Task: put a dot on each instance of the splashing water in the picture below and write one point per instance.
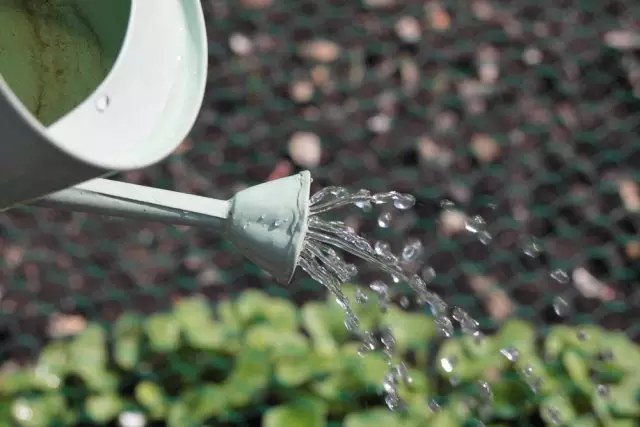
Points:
(321, 261)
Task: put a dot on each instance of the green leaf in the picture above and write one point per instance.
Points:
(374, 417)
(198, 325)
(452, 362)
(163, 331)
(518, 334)
(510, 396)
(623, 398)
(557, 339)
(181, 416)
(624, 353)
(584, 339)
(481, 348)
(99, 380)
(88, 359)
(251, 306)
(294, 371)
(192, 313)
(277, 342)
(303, 413)
(127, 341)
(369, 368)
(330, 388)
(411, 330)
(51, 367)
(104, 408)
(578, 371)
(89, 349)
(229, 315)
(585, 421)
(152, 398)
(207, 401)
(445, 417)
(534, 372)
(40, 411)
(557, 410)
(281, 314)
(250, 376)
(16, 381)
(319, 321)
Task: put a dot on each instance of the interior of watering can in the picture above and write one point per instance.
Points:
(55, 53)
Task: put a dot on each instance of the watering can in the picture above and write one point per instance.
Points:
(91, 88)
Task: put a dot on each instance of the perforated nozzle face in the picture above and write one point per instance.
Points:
(268, 223)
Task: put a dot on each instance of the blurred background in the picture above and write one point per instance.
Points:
(526, 113)
(523, 112)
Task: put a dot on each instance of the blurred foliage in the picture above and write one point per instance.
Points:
(258, 360)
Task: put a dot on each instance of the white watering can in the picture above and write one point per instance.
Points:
(89, 88)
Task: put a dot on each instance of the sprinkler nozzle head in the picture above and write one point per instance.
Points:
(268, 223)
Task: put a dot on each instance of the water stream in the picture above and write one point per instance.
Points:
(321, 260)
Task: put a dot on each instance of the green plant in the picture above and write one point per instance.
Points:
(259, 360)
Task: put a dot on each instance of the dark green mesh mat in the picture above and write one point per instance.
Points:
(524, 112)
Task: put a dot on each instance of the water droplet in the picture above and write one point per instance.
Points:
(428, 274)
(412, 251)
(245, 225)
(351, 321)
(447, 204)
(527, 370)
(485, 237)
(384, 220)
(560, 276)
(475, 224)
(485, 390)
(582, 335)
(384, 295)
(404, 201)
(387, 338)
(393, 402)
(277, 223)
(262, 218)
(448, 364)
(437, 305)
(535, 384)
(361, 297)
(602, 390)
(369, 343)
(554, 415)
(382, 248)
(478, 337)
(102, 103)
(404, 302)
(380, 288)
(561, 306)
(390, 386)
(510, 353)
(532, 248)
(434, 406)
(467, 323)
(365, 205)
(444, 325)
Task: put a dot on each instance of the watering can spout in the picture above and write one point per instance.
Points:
(267, 222)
